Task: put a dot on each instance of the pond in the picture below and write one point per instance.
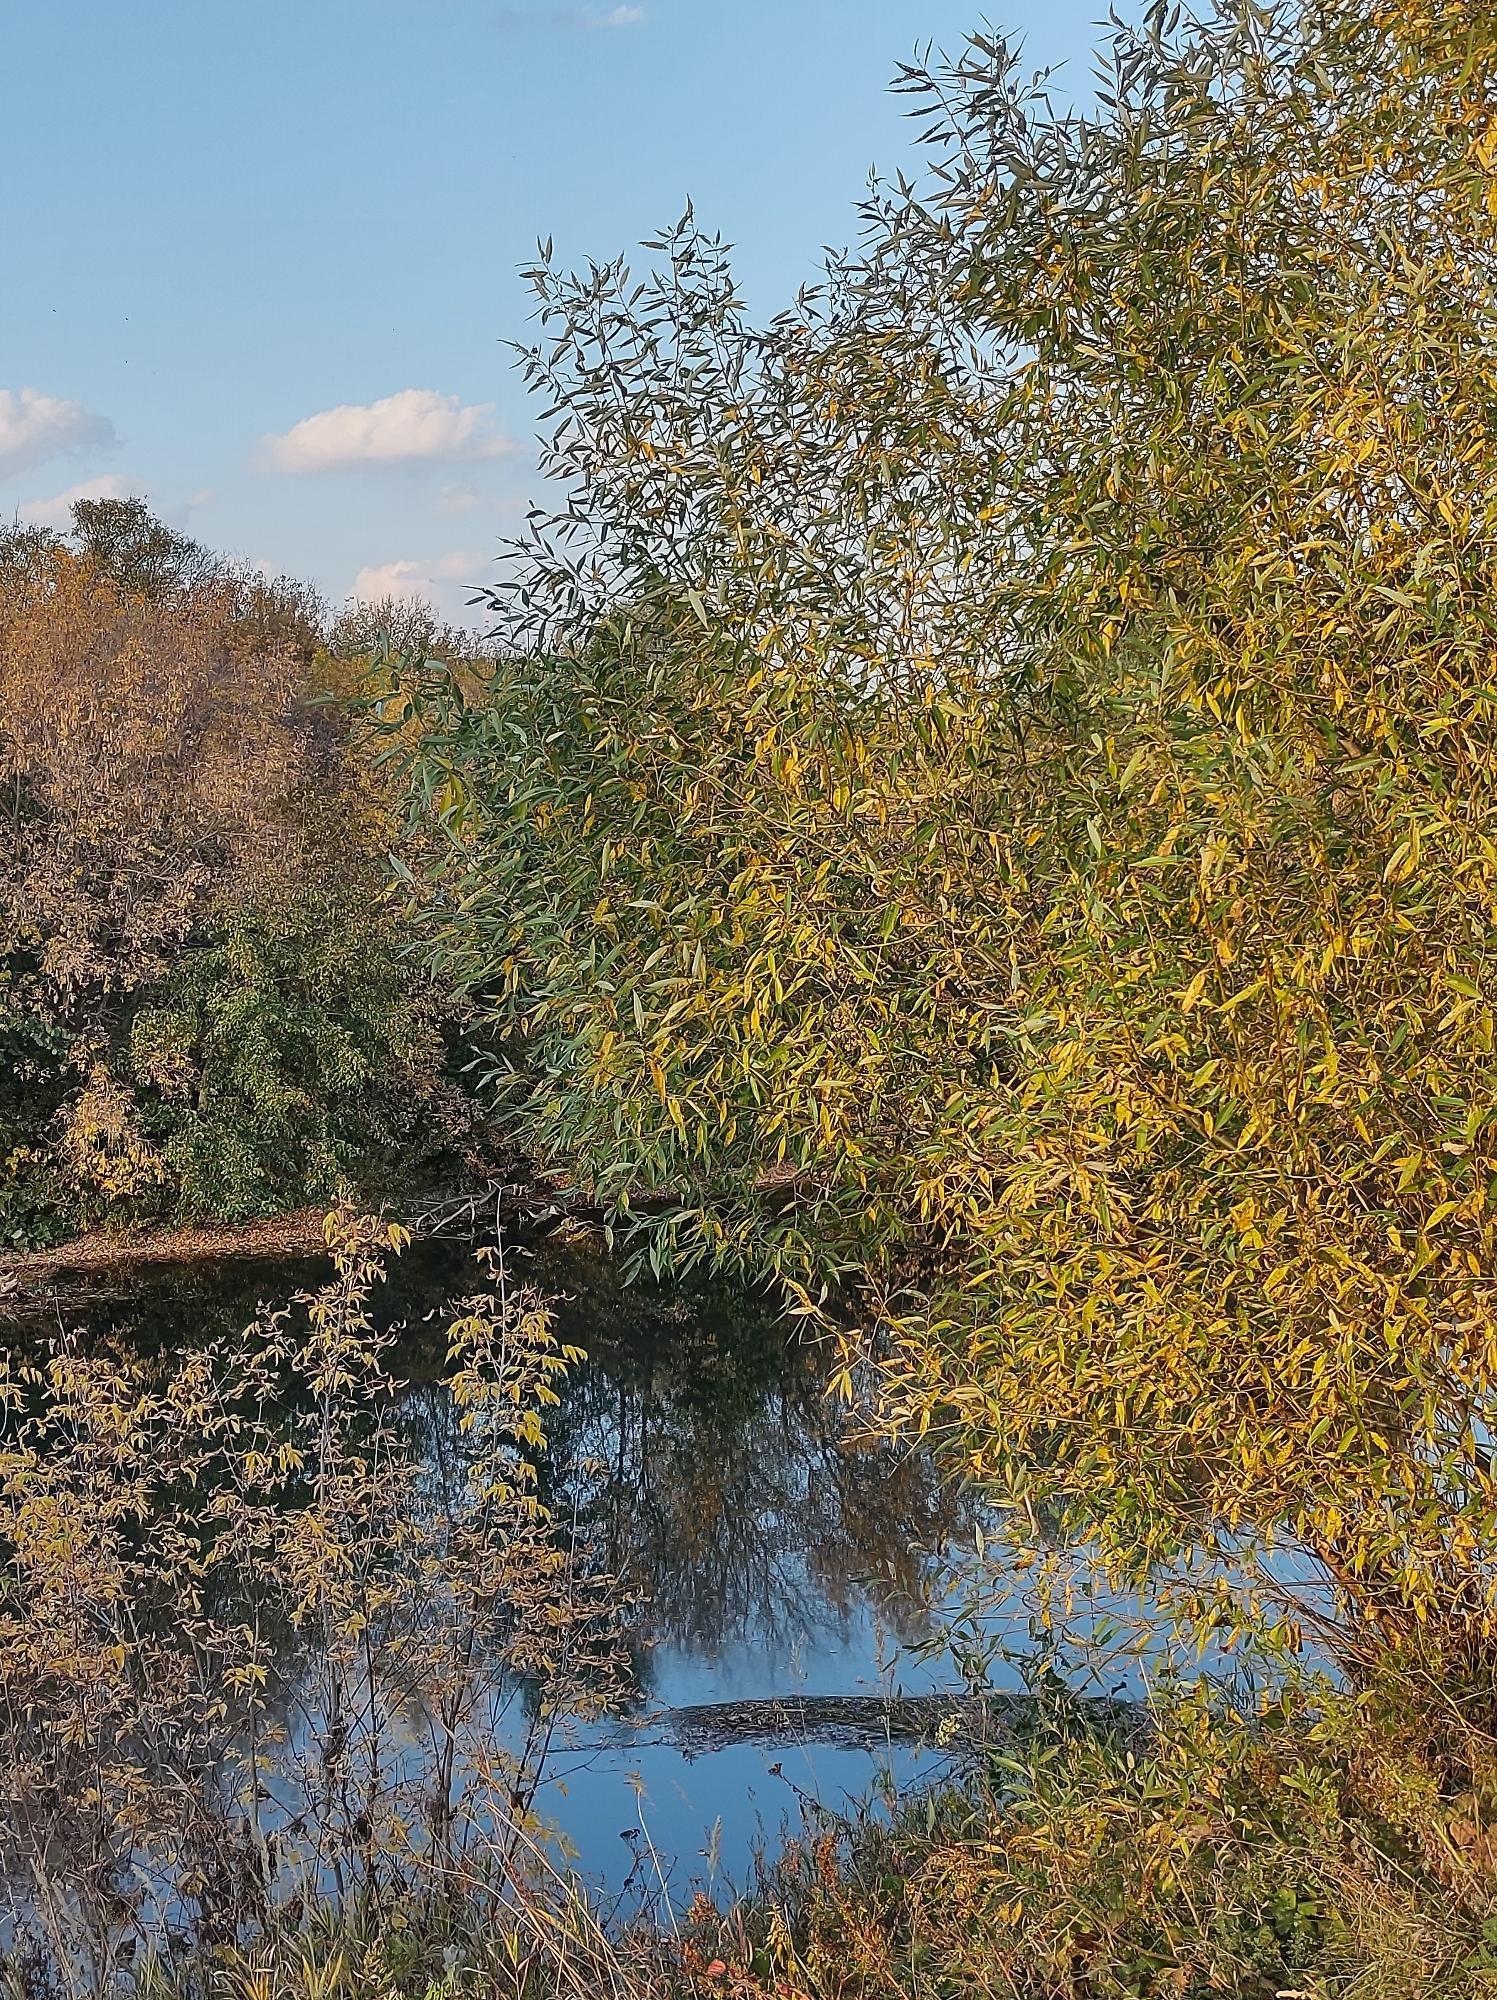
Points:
(796, 1612)
(768, 1551)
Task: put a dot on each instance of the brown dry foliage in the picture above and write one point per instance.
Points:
(148, 760)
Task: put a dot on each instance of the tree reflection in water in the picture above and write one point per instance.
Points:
(696, 1448)
(698, 1452)
(694, 1456)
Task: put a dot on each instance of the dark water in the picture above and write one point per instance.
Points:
(771, 1552)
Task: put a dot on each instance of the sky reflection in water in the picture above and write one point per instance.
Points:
(773, 1554)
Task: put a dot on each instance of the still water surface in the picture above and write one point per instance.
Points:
(773, 1553)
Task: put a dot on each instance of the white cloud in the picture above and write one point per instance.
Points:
(412, 427)
(445, 581)
(34, 427)
(180, 516)
(574, 17)
(58, 511)
(458, 499)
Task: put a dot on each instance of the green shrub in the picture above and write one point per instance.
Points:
(284, 1057)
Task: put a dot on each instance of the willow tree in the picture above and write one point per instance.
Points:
(1006, 754)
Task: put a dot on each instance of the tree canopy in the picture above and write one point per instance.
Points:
(203, 1007)
(1006, 752)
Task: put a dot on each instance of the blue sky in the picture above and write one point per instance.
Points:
(303, 220)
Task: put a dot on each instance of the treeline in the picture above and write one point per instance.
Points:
(204, 1008)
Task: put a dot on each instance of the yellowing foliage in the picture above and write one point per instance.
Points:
(254, 1647)
(1013, 763)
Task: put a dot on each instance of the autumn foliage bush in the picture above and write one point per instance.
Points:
(255, 1651)
(201, 992)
